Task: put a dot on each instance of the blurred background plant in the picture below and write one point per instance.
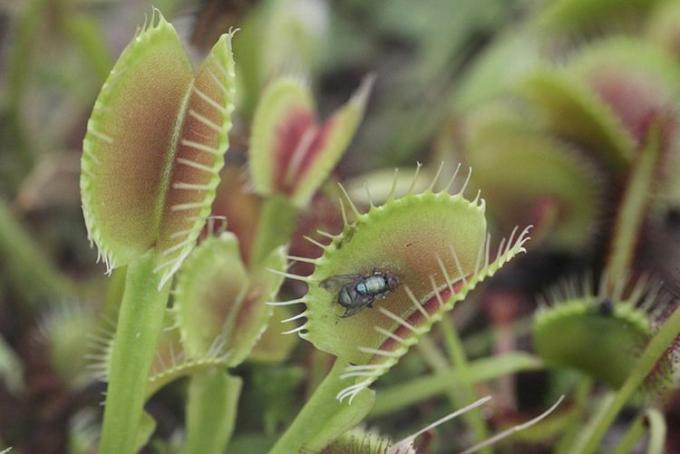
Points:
(567, 113)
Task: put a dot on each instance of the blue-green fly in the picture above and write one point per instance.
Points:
(357, 291)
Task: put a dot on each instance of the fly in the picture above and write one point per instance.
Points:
(358, 291)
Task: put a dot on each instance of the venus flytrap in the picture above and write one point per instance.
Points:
(292, 153)
(62, 329)
(603, 332)
(556, 187)
(152, 153)
(436, 246)
(220, 304)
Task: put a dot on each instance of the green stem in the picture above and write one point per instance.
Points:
(632, 210)
(438, 363)
(139, 324)
(431, 354)
(583, 390)
(324, 418)
(419, 389)
(34, 274)
(211, 411)
(275, 226)
(466, 390)
(654, 351)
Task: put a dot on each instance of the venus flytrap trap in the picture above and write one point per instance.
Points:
(603, 333)
(152, 153)
(218, 300)
(424, 252)
(556, 188)
(61, 333)
(218, 315)
(292, 153)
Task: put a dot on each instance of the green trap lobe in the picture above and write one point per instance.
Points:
(220, 303)
(199, 153)
(555, 187)
(127, 142)
(210, 289)
(604, 346)
(404, 237)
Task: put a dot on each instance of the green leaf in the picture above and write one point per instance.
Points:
(63, 328)
(637, 81)
(126, 151)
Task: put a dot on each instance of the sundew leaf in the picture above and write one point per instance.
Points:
(154, 146)
(291, 152)
(602, 333)
(436, 246)
(558, 95)
(555, 187)
(219, 303)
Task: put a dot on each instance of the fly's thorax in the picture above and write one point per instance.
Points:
(372, 285)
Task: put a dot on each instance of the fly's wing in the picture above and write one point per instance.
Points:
(349, 311)
(335, 283)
